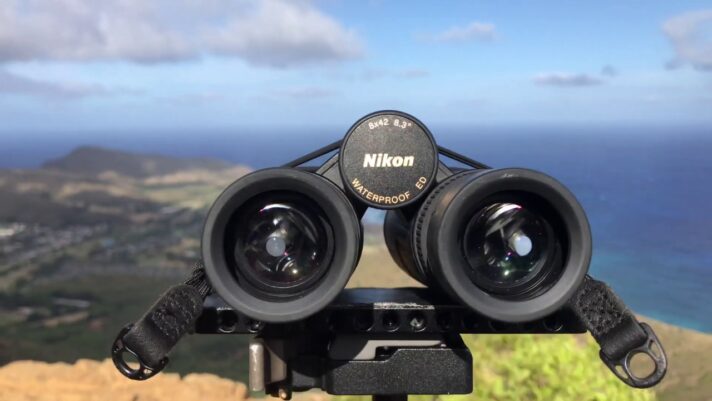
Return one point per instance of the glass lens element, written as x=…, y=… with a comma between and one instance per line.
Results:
x=283, y=244
x=505, y=244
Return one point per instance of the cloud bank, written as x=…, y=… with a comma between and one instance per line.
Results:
x=691, y=39
x=568, y=80
x=609, y=71
x=13, y=84
x=308, y=92
x=373, y=74
x=480, y=31
x=272, y=33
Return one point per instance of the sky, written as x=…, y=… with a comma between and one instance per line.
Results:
x=134, y=65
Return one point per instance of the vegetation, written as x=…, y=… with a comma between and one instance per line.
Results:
x=115, y=301
x=527, y=367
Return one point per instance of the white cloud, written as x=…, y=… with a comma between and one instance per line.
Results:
x=308, y=92
x=373, y=74
x=481, y=31
x=414, y=73
x=275, y=33
x=13, y=84
x=609, y=71
x=563, y=79
x=193, y=99
x=691, y=38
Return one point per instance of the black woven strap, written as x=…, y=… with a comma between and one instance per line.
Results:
x=618, y=333
x=152, y=337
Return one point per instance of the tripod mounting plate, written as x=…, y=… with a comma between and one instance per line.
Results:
x=373, y=341
x=381, y=311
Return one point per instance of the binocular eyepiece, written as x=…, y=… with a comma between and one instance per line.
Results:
x=511, y=244
x=280, y=244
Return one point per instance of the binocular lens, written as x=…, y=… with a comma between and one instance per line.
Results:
x=505, y=245
x=512, y=244
x=282, y=244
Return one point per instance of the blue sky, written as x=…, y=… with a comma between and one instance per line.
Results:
x=129, y=65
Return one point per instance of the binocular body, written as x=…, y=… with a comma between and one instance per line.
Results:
x=511, y=244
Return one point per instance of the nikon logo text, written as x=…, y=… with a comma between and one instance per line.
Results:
x=385, y=160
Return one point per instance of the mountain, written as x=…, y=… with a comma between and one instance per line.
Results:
x=89, y=160
x=55, y=198
x=94, y=185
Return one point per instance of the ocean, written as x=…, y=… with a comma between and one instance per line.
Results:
x=647, y=191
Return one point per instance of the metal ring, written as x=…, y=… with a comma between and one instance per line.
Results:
x=624, y=363
x=119, y=348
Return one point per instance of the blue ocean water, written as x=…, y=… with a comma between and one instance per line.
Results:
x=647, y=191
x=648, y=196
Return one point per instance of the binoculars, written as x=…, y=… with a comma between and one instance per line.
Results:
x=500, y=250
x=511, y=244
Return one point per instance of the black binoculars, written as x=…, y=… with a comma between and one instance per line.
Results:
x=510, y=247
x=511, y=244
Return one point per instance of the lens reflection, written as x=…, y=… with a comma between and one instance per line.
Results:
x=505, y=244
x=283, y=245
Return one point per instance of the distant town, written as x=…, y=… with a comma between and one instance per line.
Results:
x=123, y=215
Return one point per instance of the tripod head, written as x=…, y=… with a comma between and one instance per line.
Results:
x=370, y=341
x=500, y=250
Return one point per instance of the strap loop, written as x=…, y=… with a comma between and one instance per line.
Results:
x=622, y=367
x=118, y=352
x=618, y=332
x=152, y=337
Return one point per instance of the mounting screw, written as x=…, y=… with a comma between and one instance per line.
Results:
x=254, y=326
x=417, y=321
x=284, y=393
